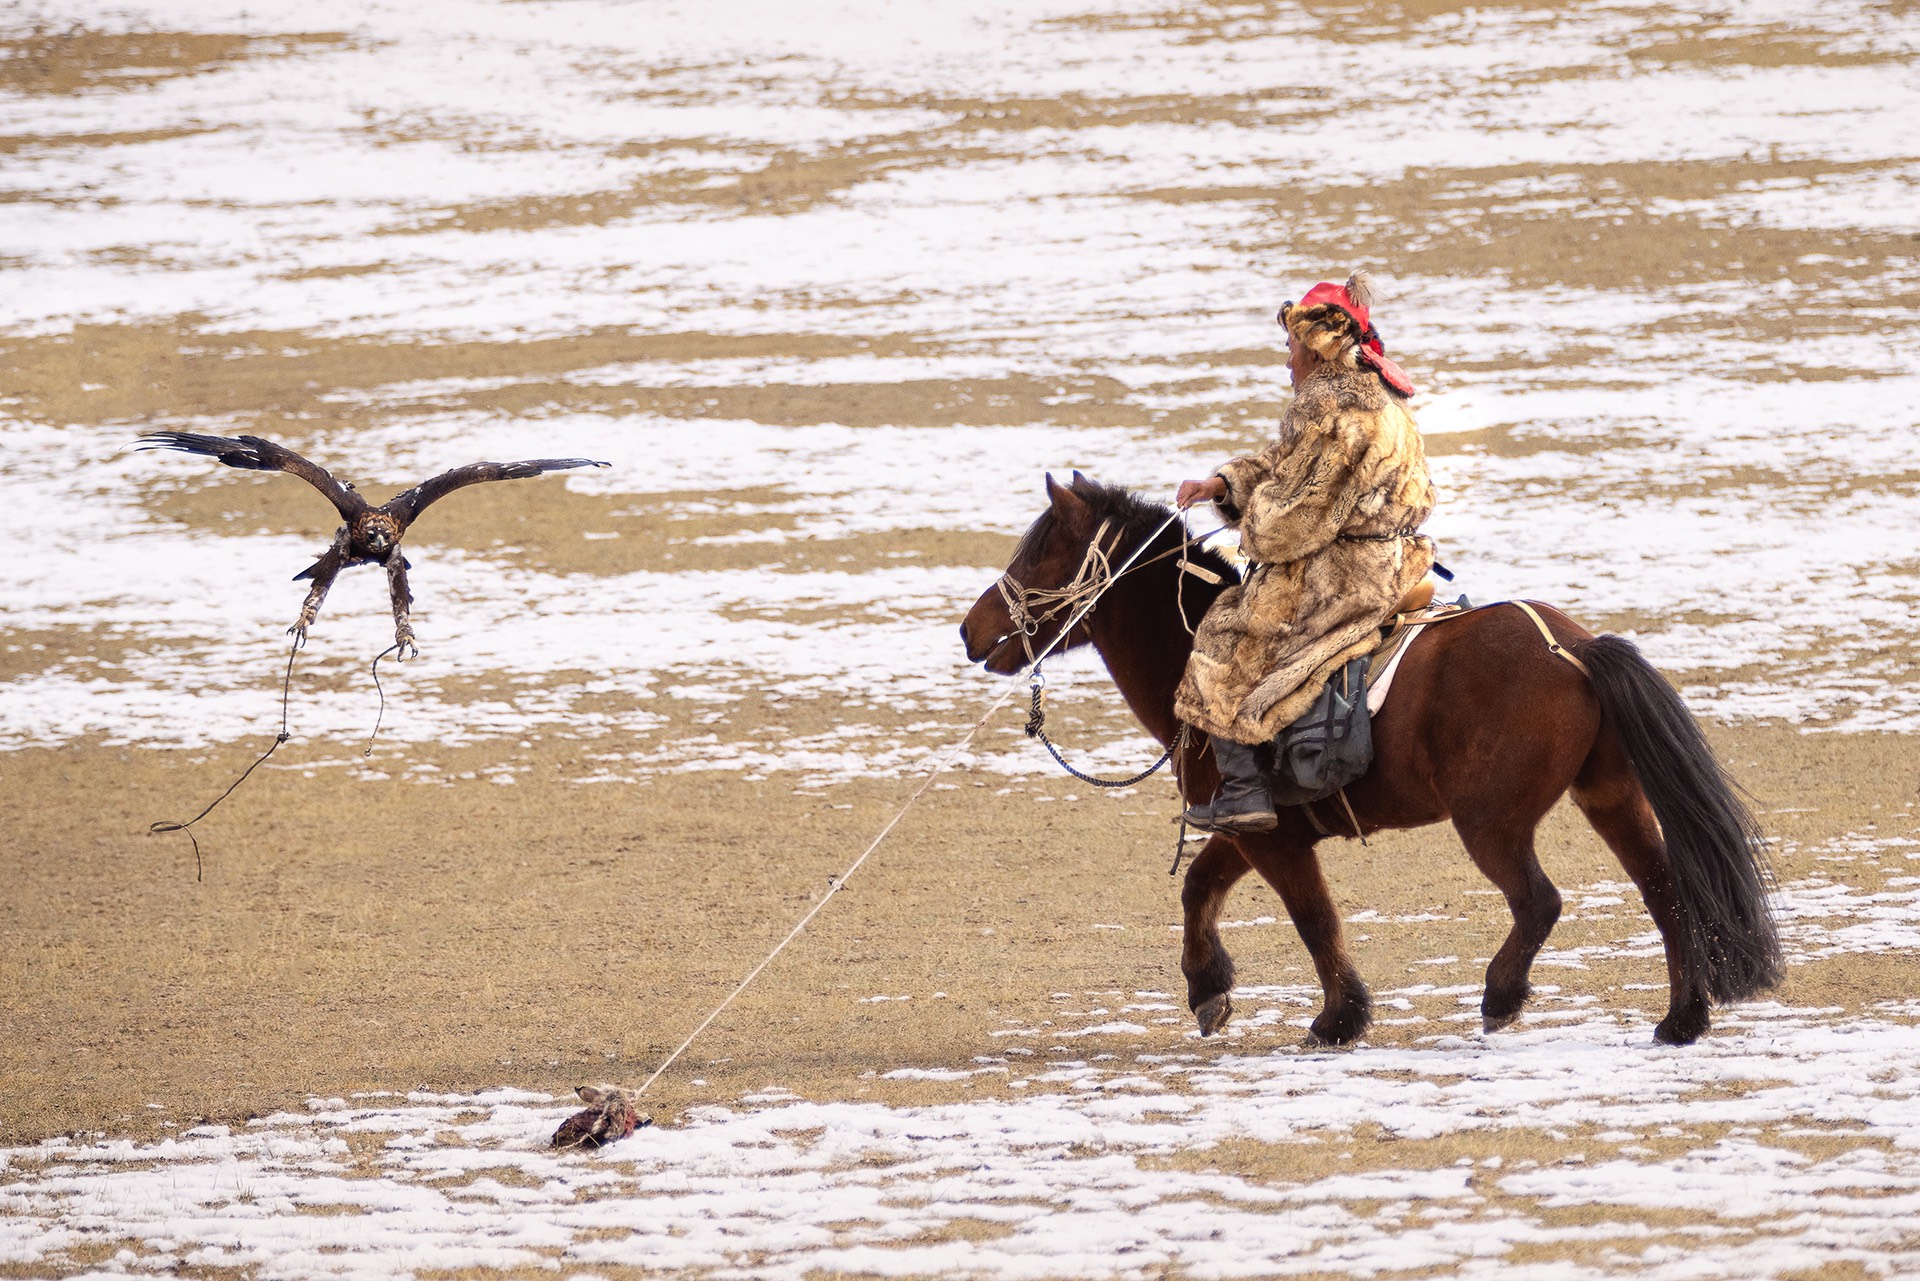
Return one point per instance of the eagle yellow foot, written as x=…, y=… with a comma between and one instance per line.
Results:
x=403, y=645
x=299, y=633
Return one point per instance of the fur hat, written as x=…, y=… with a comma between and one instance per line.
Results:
x=1333, y=322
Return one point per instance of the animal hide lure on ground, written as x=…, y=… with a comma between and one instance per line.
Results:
x=611, y=1115
x=1327, y=514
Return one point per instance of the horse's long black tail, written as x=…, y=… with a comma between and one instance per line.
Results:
x=1714, y=844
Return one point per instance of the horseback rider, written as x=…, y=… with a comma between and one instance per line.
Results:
x=1327, y=515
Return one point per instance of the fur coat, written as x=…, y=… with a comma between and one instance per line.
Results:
x=1324, y=514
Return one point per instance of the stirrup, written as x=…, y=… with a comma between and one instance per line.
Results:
x=1201, y=819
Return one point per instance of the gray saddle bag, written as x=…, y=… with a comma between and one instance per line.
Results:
x=1329, y=747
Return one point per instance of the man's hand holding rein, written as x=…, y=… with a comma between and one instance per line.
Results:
x=1212, y=489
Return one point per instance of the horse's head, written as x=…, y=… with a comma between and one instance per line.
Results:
x=1059, y=562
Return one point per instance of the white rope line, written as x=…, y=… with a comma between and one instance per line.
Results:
x=836, y=885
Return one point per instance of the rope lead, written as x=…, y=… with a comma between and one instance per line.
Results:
x=1084, y=607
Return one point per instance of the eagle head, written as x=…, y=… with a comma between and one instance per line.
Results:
x=379, y=533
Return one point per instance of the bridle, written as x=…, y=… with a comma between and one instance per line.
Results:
x=1031, y=608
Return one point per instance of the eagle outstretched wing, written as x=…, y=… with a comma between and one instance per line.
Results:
x=406, y=507
x=255, y=454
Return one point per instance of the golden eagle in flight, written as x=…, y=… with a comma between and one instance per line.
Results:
x=372, y=534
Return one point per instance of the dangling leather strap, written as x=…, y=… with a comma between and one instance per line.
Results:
x=1352, y=818
x=1201, y=572
x=1306, y=807
x=1552, y=644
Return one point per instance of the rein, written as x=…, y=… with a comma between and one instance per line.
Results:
x=1032, y=607
x=1037, y=728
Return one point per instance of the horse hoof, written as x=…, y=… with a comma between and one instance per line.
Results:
x=1331, y=1033
x=1213, y=1013
x=1501, y=1006
x=1681, y=1027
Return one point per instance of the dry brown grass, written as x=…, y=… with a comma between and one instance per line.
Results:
x=78, y=60
x=379, y=935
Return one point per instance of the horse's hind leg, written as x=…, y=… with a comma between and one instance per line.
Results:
x=1506, y=855
x=1611, y=798
x=1291, y=867
x=1203, y=959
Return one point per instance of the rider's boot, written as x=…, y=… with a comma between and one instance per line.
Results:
x=1243, y=803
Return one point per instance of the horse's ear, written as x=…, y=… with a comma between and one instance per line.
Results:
x=1081, y=485
x=1064, y=500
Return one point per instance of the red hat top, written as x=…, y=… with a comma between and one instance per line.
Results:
x=1355, y=298
x=1326, y=293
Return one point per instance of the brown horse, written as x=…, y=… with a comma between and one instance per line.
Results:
x=1486, y=727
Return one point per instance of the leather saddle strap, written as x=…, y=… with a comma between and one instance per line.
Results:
x=1533, y=615
x=1413, y=629
x=1552, y=644
x=1352, y=818
x=1306, y=807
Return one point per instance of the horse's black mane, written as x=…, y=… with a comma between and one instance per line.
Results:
x=1135, y=516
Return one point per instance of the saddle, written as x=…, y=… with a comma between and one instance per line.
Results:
x=1331, y=745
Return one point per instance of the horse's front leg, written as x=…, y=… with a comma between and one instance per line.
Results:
x=1286, y=861
x=1203, y=959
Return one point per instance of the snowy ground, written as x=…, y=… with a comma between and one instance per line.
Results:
x=1784, y=1143
x=1645, y=449
x=1109, y=1140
